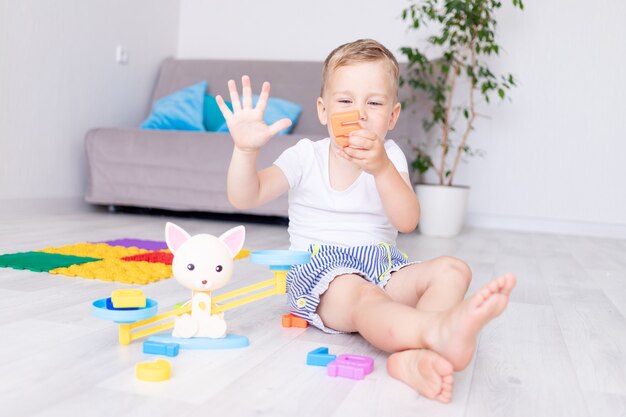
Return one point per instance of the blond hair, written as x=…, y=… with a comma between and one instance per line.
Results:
x=362, y=50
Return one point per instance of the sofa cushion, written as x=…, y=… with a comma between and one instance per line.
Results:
x=181, y=110
x=213, y=118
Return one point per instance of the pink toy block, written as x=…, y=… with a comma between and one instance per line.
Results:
x=351, y=366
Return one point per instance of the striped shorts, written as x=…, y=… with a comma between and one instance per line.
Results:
x=307, y=282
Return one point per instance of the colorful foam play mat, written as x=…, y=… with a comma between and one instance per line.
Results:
x=129, y=261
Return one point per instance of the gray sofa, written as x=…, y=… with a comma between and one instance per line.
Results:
x=186, y=171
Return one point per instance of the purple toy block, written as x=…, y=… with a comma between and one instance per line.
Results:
x=351, y=366
x=138, y=243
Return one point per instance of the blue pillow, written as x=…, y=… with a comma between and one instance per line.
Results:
x=213, y=118
x=181, y=110
x=277, y=108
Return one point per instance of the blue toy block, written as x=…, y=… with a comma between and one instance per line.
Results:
x=158, y=348
x=230, y=341
x=319, y=357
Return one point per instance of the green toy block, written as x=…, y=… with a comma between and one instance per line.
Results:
x=41, y=261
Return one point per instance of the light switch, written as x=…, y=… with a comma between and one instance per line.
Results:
x=121, y=54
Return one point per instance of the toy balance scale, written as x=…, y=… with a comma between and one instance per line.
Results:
x=144, y=321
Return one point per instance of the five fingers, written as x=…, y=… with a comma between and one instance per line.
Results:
x=246, y=92
x=246, y=103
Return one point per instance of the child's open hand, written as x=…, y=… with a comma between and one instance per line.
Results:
x=246, y=125
x=366, y=150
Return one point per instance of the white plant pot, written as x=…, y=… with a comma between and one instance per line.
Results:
x=442, y=209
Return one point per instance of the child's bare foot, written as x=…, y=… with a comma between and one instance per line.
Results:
x=425, y=371
x=455, y=337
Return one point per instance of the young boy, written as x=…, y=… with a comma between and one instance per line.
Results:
x=346, y=205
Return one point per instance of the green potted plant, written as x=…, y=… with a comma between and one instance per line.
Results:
x=454, y=82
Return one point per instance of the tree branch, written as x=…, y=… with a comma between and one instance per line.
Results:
x=470, y=120
x=446, y=126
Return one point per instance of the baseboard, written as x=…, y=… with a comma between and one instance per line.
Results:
x=57, y=205
x=487, y=221
x=563, y=227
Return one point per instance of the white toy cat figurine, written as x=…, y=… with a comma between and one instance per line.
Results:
x=202, y=263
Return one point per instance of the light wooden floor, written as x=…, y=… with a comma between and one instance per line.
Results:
x=559, y=349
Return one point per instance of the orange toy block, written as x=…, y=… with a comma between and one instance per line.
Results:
x=343, y=123
x=289, y=320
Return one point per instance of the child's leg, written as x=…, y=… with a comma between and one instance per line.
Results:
x=434, y=285
x=353, y=304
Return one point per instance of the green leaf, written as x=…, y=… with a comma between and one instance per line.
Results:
x=422, y=162
x=501, y=93
x=512, y=80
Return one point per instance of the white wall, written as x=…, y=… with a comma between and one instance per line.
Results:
x=554, y=154
x=282, y=29
x=59, y=78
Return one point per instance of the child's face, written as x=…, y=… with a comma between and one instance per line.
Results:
x=367, y=87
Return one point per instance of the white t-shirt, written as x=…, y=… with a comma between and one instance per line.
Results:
x=320, y=214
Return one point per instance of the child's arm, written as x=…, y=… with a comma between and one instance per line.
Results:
x=398, y=197
x=246, y=187
x=395, y=190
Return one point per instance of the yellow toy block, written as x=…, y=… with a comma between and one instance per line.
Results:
x=128, y=299
x=159, y=370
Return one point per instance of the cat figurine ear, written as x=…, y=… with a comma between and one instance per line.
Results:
x=233, y=239
x=175, y=236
